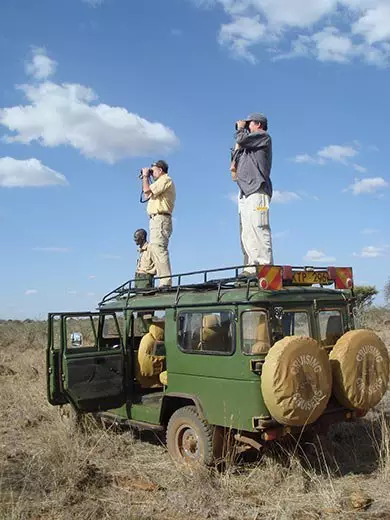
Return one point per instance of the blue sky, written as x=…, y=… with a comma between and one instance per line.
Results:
x=91, y=91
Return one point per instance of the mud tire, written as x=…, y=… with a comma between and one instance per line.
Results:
x=191, y=440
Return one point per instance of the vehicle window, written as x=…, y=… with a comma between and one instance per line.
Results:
x=331, y=326
x=81, y=332
x=110, y=326
x=56, y=333
x=295, y=323
x=255, y=332
x=206, y=332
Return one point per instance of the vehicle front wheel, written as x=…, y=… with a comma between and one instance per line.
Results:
x=190, y=439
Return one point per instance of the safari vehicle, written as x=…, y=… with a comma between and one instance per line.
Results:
x=253, y=359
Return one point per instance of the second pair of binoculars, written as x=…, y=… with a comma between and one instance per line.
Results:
x=150, y=172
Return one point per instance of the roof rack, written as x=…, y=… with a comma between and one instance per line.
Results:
x=128, y=289
x=267, y=277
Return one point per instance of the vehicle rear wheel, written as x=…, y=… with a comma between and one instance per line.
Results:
x=190, y=439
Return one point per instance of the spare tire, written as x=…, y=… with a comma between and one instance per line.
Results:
x=360, y=366
x=296, y=380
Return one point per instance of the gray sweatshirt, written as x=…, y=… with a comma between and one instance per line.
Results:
x=254, y=164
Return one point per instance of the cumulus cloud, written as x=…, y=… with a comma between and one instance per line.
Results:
x=16, y=173
x=333, y=152
x=371, y=252
x=360, y=29
x=29, y=292
x=241, y=34
x=283, y=197
x=69, y=114
x=40, y=66
x=359, y=168
x=368, y=185
x=315, y=256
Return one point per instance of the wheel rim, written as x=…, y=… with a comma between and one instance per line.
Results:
x=187, y=442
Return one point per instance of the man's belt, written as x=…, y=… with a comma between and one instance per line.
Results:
x=162, y=213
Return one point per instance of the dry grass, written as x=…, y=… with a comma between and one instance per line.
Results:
x=48, y=471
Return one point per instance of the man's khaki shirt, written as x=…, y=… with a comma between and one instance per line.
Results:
x=163, y=196
x=145, y=264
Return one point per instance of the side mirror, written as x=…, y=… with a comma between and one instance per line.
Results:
x=76, y=339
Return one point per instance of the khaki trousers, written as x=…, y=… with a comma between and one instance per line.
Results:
x=160, y=231
x=256, y=231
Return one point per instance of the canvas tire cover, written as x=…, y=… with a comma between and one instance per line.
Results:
x=296, y=380
x=360, y=366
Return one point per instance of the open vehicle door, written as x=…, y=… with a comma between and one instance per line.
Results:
x=85, y=359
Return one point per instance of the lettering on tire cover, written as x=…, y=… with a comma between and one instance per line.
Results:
x=308, y=404
x=367, y=350
x=318, y=395
x=365, y=383
x=305, y=359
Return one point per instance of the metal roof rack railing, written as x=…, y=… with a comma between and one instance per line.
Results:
x=269, y=277
x=180, y=282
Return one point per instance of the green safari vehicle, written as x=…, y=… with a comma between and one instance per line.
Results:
x=221, y=359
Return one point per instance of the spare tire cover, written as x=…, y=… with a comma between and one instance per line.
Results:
x=296, y=380
x=360, y=366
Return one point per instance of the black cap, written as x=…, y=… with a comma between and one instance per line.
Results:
x=259, y=117
x=161, y=164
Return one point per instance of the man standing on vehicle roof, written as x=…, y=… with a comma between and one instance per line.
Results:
x=253, y=179
x=161, y=195
x=145, y=271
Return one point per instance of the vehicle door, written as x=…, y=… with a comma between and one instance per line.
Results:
x=88, y=371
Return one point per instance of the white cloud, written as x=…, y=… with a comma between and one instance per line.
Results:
x=16, y=173
x=68, y=114
x=91, y=277
x=331, y=45
x=371, y=252
x=374, y=24
x=93, y=3
x=368, y=185
x=280, y=234
x=72, y=292
x=28, y=292
x=282, y=197
x=333, y=152
x=369, y=231
x=359, y=168
x=304, y=158
x=233, y=197
x=40, y=66
x=241, y=34
x=303, y=26
x=315, y=256
x=111, y=257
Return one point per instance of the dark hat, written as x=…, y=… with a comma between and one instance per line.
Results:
x=257, y=116
x=161, y=164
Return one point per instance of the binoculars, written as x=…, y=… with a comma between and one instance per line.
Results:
x=150, y=172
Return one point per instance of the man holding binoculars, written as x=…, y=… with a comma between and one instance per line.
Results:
x=252, y=170
x=161, y=197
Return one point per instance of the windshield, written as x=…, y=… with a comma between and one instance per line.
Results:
x=290, y=323
x=331, y=326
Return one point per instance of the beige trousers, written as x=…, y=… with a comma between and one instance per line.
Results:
x=160, y=231
x=256, y=232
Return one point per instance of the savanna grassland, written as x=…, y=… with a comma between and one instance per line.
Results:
x=50, y=471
